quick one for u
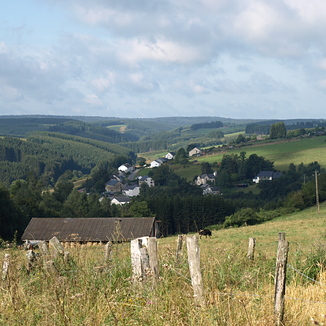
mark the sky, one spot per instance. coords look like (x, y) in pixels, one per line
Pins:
(241, 59)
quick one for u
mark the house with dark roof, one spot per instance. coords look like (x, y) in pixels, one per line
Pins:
(84, 230)
(146, 179)
(113, 185)
(120, 200)
(131, 190)
(158, 162)
(203, 178)
(267, 175)
(170, 155)
(126, 168)
(210, 190)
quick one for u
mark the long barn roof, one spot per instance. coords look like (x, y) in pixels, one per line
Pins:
(89, 229)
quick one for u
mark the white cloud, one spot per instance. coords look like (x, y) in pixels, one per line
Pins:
(171, 56)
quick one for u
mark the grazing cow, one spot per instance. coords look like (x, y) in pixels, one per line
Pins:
(205, 232)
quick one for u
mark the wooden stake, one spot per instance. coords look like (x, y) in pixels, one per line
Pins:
(251, 248)
(280, 278)
(194, 267)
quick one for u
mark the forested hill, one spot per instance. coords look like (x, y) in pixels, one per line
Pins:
(49, 155)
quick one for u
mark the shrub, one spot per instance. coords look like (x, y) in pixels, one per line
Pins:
(245, 216)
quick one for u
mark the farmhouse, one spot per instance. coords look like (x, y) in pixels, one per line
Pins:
(202, 179)
(83, 230)
(266, 175)
(113, 185)
(195, 152)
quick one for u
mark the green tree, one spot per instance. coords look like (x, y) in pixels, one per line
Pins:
(181, 157)
(206, 168)
(240, 139)
(278, 130)
(139, 209)
(10, 221)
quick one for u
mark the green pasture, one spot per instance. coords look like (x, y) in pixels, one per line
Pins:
(304, 150)
(188, 172)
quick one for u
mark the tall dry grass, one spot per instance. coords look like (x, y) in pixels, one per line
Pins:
(238, 291)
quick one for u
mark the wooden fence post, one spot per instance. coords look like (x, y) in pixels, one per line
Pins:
(144, 259)
(5, 266)
(179, 248)
(57, 246)
(107, 252)
(153, 260)
(251, 248)
(280, 277)
(194, 268)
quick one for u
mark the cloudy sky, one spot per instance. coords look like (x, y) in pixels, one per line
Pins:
(153, 58)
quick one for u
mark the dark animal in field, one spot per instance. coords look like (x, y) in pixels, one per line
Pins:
(205, 232)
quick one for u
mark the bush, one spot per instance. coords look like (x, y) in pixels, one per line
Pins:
(245, 216)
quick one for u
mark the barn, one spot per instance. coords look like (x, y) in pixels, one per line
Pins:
(85, 230)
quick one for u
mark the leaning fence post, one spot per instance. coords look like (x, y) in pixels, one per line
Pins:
(251, 248)
(5, 266)
(280, 277)
(194, 268)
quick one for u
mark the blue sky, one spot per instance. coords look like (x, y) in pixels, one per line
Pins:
(152, 58)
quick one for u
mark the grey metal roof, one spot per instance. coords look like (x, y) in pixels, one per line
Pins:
(89, 229)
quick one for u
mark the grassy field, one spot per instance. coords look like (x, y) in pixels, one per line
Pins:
(87, 292)
(305, 151)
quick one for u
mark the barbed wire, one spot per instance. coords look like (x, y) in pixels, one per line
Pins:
(306, 276)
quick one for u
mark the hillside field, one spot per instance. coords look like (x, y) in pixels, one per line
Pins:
(237, 291)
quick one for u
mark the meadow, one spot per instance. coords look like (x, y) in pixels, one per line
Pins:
(282, 153)
(86, 291)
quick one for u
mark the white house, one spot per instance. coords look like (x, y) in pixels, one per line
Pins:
(120, 200)
(267, 175)
(131, 191)
(170, 155)
(158, 162)
(148, 180)
(126, 168)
